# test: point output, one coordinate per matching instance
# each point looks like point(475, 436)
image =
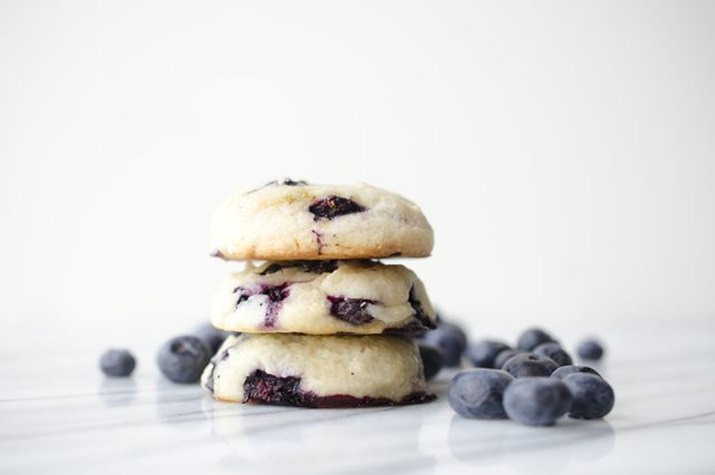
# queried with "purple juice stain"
point(261, 386)
point(275, 293)
point(353, 311)
point(333, 206)
point(318, 240)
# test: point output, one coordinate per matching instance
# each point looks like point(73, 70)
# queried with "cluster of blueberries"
point(534, 383)
point(182, 359)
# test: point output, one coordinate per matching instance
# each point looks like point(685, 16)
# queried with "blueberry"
point(431, 360)
point(590, 350)
point(117, 363)
point(504, 356)
point(477, 393)
point(266, 387)
point(483, 353)
point(213, 337)
point(593, 397)
point(537, 401)
point(532, 338)
point(313, 267)
point(564, 371)
point(451, 341)
point(333, 206)
point(355, 311)
point(555, 352)
point(529, 364)
point(183, 358)
point(420, 316)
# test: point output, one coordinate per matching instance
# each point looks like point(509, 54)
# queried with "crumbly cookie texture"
point(317, 371)
point(323, 298)
point(291, 220)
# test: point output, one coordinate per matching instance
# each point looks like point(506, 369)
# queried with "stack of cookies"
point(322, 322)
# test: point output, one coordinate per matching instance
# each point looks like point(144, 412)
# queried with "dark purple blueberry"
point(564, 371)
point(262, 386)
point(451, 341)
point(183, 358)
point(478, 393)
point(529, 364)
point(593, 397)
point(314, 267)
point(483, 353)
point(276, 293)
point(504, 356)
point(590, 350)
point(212, 336)
point(333, 206)
point(532, 338)
point(353, 311)
point(536, 401)
point(117, 363)
point(318, 267)
point(420, 315)
point(555, 352)
point(432, 360)
point(272, 269)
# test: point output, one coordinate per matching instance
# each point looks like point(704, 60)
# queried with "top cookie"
point(291, 220)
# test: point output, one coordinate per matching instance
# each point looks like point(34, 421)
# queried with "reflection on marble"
point(117, 391)
point(67, 418)
point(541, 450)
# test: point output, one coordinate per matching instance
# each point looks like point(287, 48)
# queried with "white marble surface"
point(59, 415)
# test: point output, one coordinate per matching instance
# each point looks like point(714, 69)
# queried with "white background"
point(563, 151)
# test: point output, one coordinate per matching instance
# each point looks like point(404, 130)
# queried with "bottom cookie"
point(317, 371)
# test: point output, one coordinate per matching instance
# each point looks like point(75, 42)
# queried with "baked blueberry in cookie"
point(316, 267)
point(333, 206)
point(355, 311)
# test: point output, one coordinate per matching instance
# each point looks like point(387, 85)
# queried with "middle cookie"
point(323, 298)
